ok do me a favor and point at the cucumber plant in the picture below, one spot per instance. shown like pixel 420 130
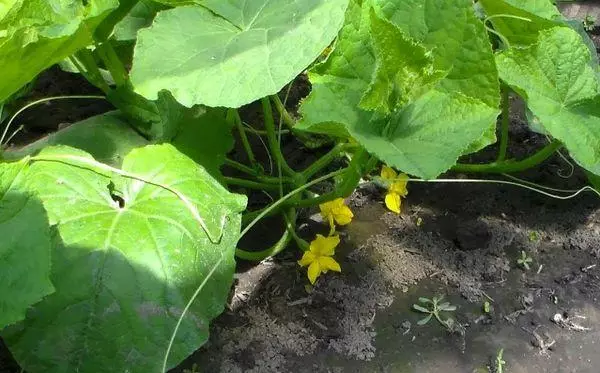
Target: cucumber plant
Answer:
pixel 114 224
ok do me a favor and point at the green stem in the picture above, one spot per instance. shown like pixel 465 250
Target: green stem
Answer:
pixel 82 69
pixel 280 245
pixel 250 184
pixel 257 256
pixel 272 138
pixel 86 59
pixel 361 164
pixel 113 63
pixel 277 204
pixel 260 178
pixel 290 219
pixel 245 142
pixel 329 196
pixel 325 160
pixel 263 133
pixel 287 118
pixel 505 121
pixel 506 167
pixel 240 167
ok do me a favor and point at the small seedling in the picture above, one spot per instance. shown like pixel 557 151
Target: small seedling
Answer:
pixel 433 308
pixel 498 363
pixel 487 307
pixel 534 236
pixel 589 22
pixel 525 260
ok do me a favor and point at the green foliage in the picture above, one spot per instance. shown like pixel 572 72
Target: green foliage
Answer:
pixel 24 257
pixel 464 102
pixel 525 261
pixel 35 34
pixel 555 97
pixel 120 281
pixel 115 222
pixel 193 50
pixel 139 17
pixel 435 308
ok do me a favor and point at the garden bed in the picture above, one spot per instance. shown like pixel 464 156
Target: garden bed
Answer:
pixel 458 240
pixel 519 268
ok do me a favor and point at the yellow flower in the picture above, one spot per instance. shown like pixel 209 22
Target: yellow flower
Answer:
pixel 334 212
pixel 319 259
pixel 396 188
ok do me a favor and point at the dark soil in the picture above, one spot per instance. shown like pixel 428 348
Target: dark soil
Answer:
pixel 39 120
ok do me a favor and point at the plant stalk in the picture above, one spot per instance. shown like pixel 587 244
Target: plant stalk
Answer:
pixel 287 118
pixel 86 59
pixel 509 166
pixel 113 63
pixel 325 160
pixel 245 142
pixel 250 184
pixel 272 138
pixel 273 208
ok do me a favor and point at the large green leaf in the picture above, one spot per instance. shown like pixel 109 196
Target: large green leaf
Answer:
pixel 427 136
pixel 107 137
pixel 24 248
pixel 139 17
pixel 519 21
pixel 404 70
pixel 232 53
pixel 125 269
pixel 206 138
pixel 561 89
pixel 35 34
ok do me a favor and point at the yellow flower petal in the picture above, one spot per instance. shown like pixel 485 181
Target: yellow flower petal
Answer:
pixel 388 173
pixel 392 202
pixel 326 208
pixel 314 271
pixel 324 246
pixel 343 215
pixel 327 263
pixel 399 187
pixel 307 258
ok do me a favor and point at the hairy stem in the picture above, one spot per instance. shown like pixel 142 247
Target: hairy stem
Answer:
pixel 511 166
pixel 250 184
pixel 88 62
pixel 113 63
pixel 277 204
pixel 235 116
pixel 272 138
pixel 325 160
pixel 285 116
pixel 280 245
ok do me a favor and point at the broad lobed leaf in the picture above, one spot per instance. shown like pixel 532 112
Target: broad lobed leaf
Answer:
pixel 24 248
pixel 427 135
pixel 35 34
pixel 561 89
pixel 123 271
pixel 232 53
